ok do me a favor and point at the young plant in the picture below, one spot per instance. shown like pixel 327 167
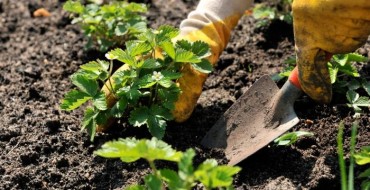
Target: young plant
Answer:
pixel 145 91
pixel 109 25
pixel 363 157
pixel 290 138
pixel 208 173
pixel 347 182
pixel 264 13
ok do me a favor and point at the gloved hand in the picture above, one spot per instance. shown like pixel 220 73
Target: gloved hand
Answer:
pixel 323 27
pixel 211 22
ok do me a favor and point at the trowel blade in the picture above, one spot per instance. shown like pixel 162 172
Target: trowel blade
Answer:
pixel 242 130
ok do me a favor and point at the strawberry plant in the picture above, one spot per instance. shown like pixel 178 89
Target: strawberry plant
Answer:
pixel 209 173
pixel 145 91
pixel 108 25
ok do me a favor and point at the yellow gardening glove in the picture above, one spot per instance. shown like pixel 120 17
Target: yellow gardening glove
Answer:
pixel 211 22
pixel 323 27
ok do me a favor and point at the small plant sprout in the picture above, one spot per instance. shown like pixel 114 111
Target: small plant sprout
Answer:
pixel 209 173
pixel 347 181
pixel 144 93
pixel 108 25
pixel 290 138
pixel 264 13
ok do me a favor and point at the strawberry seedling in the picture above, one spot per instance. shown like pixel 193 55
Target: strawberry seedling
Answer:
pixel 145 91
pixel 290 138
pixel 209 173
pixel 264 13
pixel 109 25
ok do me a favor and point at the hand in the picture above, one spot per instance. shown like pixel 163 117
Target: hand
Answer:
pixel 324 27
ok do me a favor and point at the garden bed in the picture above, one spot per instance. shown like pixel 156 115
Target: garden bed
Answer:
pixel 42 147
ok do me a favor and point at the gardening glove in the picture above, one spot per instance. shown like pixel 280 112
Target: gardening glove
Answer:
pixel 211 22
pixel 321 28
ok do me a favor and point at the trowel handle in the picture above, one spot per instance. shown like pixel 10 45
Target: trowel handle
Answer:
pixel 293 78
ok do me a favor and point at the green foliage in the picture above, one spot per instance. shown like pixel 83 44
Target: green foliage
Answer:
pixel 108 25
pixel 344 77
pixel 208 173
pixel 145 92
pixel 363 157
pixel 265 13
pixel 347 181
pixel 291 138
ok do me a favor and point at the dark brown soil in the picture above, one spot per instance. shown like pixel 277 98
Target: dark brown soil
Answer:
pixel 42 147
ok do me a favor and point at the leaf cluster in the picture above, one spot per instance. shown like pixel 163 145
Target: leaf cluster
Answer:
pixel 265 13
pixel 208 173
pixel 146 91
pixel 108 25
pixel 346 79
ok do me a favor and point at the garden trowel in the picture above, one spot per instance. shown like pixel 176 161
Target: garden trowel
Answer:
pixel 260 115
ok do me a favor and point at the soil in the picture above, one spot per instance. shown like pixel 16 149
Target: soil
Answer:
pixel 42 147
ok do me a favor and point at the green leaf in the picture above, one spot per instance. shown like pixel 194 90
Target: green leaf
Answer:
pixel 352 96
pixel 151 64
pixel 102 117
pixel 184 44
pixel 99 101
pixel 168 47
pixel 213 176
pixel 120 30
pixel 204 66
pixel 139 116
pixel 156 126
pixel 366 86
pixel 201 49
pixel 74 99
pixel 186 168
pixel 85 84
pixel 153 182
pixel 160 112
pixel 90 125
pixel 88 116
pixel 73 7
pixel 165 82
pixel 172 178
pixel 124 57
pixel 333 71
pixel 135 48
pixel 166 33
pixel 132 93
pixel 261 11
pixel 146 81
pixel 130 150
pixel 363 157
pixel 365 174
pixel 291 138
pixel 353 84
pixel 171 75
pixel 119 108
pixel 342 59
pixel 92 66
pixel 357 57
pixel 184 56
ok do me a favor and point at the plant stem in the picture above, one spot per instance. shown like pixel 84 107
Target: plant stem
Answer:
pixel 351 159
pixel 342 165
pixel 110 74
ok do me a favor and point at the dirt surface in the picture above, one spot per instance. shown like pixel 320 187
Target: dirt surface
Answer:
pixel 42 147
